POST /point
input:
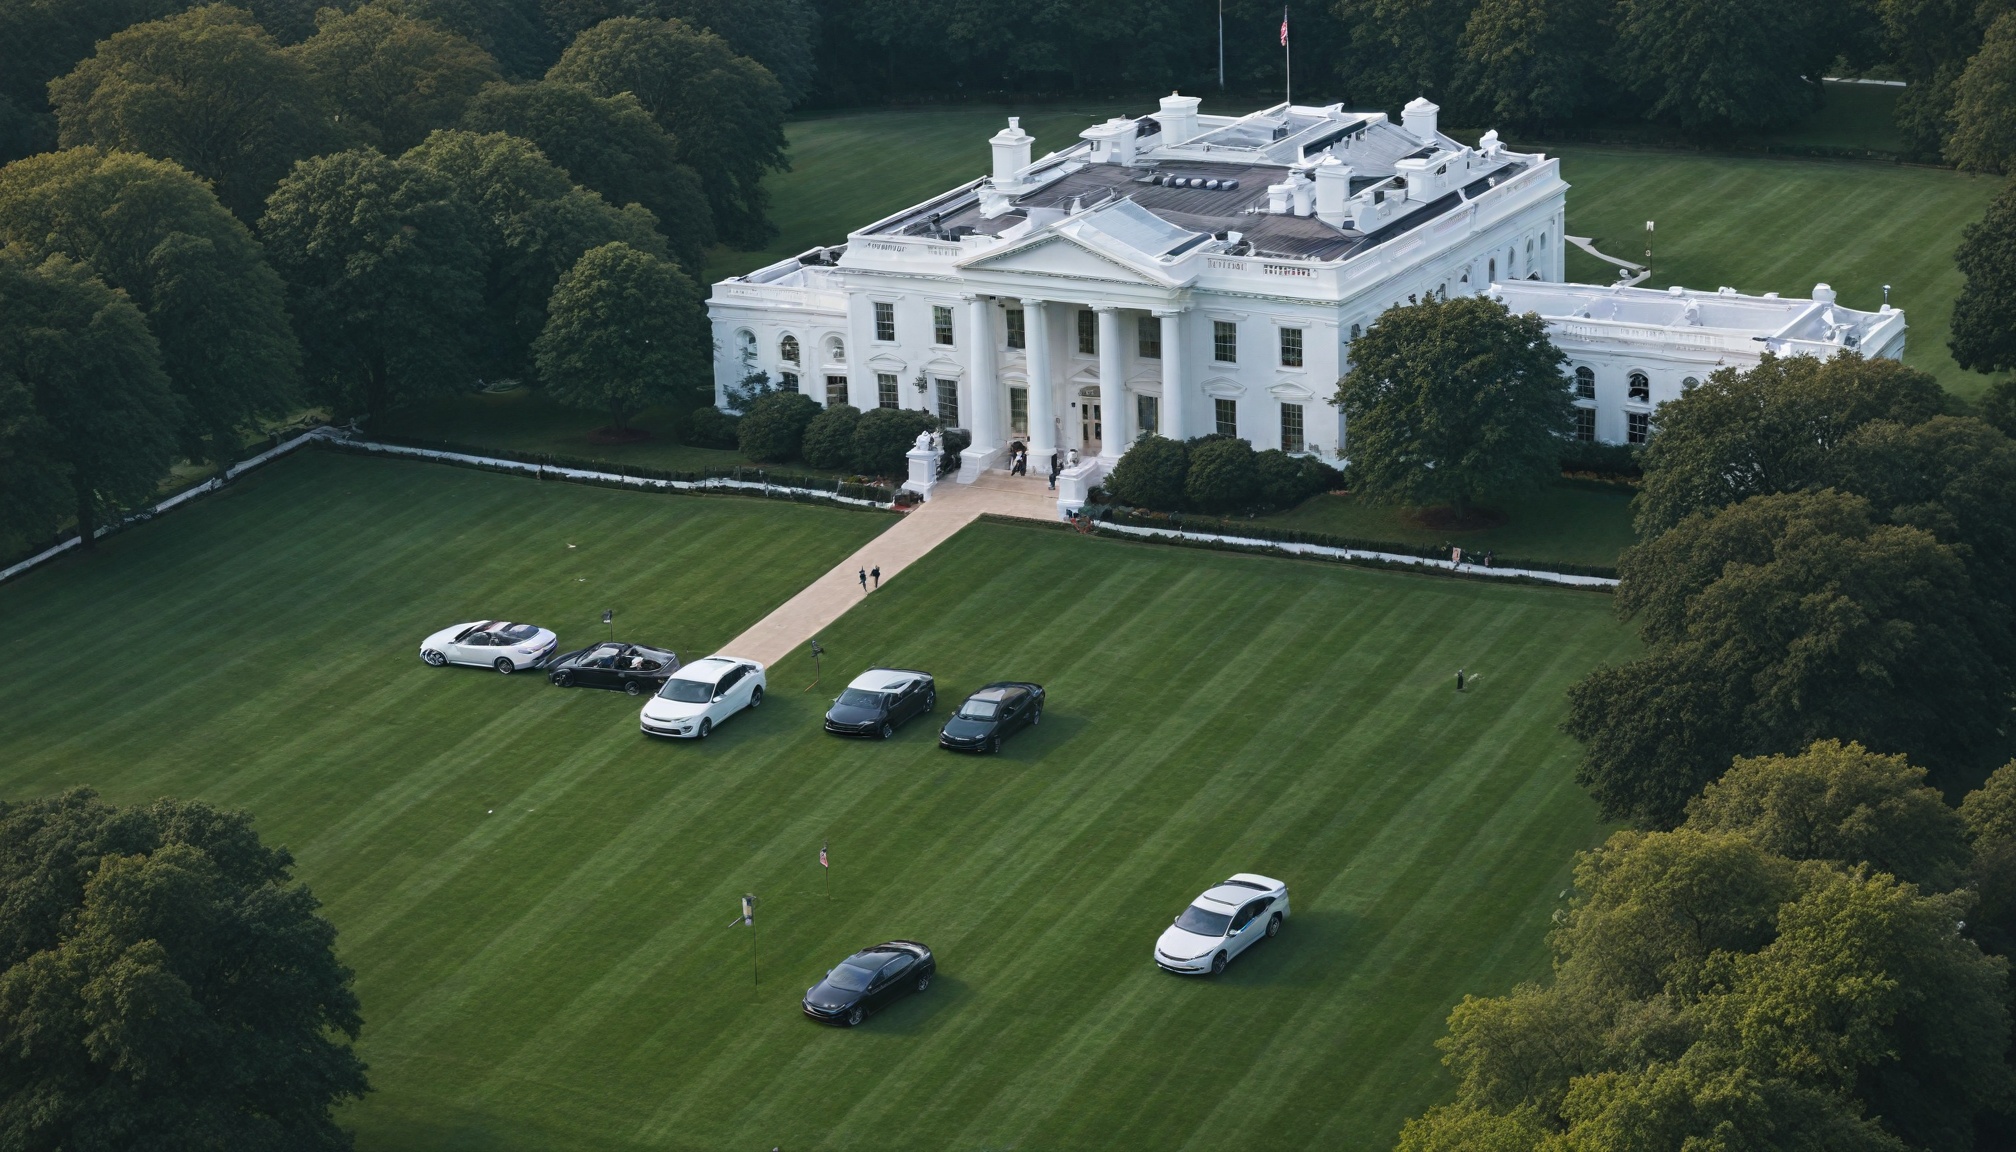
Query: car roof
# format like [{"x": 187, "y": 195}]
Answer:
[
  {"x": 1230, "y": 895},
  {"x": 704, "y": 670},
  {"x": 883, "y": 679},
  {"x": 1255, "y": 880}
]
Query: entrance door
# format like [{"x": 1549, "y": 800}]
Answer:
[{"x": 1089, "y": 428}]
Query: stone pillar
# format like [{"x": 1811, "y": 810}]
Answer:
[
  {"x": 1114, "y": 436},
  {"x": 988, "y": 402},
  {"x": 1175, "y": 401},
  {"x": 1042, "y": 418}
]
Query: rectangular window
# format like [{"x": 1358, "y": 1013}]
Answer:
[
  {"x": 1585, "y": 425},
  {"x": 1016, "y": 339},
  {"x": 1637, "y": 427},
  {"x": 1088, "y": 332},
  {"x": 948, "y": 403},
  {"x": 788, "y": 381},
  {"x": 1228, "y": 416},
  {"x": 941, "y": 325},
  {"x": 1018, "y": 411},
  {"x": 1225, "y": 342},
  {"x": 1148, "y": 415},
  {"x": 885, "y": 321},
  {"x": 1291, "y": 428},
  {"x": 1151, "y": 338},
  {"x": 885, "y": 390},
  {"x": 836, "y": 391},
  {"x": 1291, "y": 348}
]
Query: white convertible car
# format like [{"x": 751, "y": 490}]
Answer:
[
  {"x": 698, "y": 697},
  {"x": 1222, "y": 923},
  {"x": 497, "y": 644}
]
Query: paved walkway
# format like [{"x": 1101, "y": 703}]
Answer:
[
  {"x": 952, "y": 506},
  {"x": 1589, "y": 246}
]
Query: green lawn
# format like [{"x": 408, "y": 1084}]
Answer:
[
  {"x": 536, "y": 898},
  {"x": 1568, "y": 523}
]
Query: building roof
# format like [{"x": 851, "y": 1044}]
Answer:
[{"x": 1818, "y": 326}]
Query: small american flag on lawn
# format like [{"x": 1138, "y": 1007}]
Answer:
[{"x": 822, "y": 857}]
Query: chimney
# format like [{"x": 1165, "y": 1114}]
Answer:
[
  {"x": 1419, "y": 119},
  {"x": 1305, "y": 196},
  {"x": 1333, "y": 191},
  {"x": 1823, "y": 293},
  {"x": 1178, "y": 118},
  {"x": 1112, "y": 142},
  {"x": 1011, "y": 151},
  {"x": 1277, "y": 198}
]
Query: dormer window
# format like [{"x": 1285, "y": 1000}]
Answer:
[
  {"x": 787, "y": 349},
  {"x": 1640, "y": 387},
  {"x": 836, "y": 350}
]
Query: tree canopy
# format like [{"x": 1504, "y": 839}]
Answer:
[
  {"x": 624, "y": 332},
  {"x": 390, "y": 79},
  {"x": 1984, "y": 315},
  {"x": 1535, "y": 63}
]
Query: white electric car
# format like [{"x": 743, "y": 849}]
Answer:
[
  {"x": 1223, "y": 922},
  {"x": 497, "y": 644},
  {"x": 697, "y": 698}
]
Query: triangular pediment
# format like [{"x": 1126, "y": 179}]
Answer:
[{"x": 1068, "y": 259}]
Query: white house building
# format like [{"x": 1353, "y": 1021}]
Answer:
[{"x": 1183, "y": 274}]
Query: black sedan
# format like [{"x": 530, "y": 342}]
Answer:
[
  {"x": 991, "y": 715},
  {"x": 869, "y": 981},
  {"x": 879, "y": 700},
  {"x": 633, "y": 668}
]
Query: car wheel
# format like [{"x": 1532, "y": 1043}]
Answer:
[
  {"x": 856, "y": 1016},
  {"x": 563, "y": 679},
  {"x": 1036, "y": 717},
  {"x": 706, "y": 728},
  {"x": 505, "y": 666},
  {"x": 931, "y": 701},
  {"x": 433, "y": 658},
  {"x": 888, "y": 730},
  {"x": 1273, "y": 925},
  {"x": 1217, "y": 964},
  {"x": 994, "y": 746},
  {"x": 923, "y": 982},
  {"x": 634, "y": 688},
  {"x": 756, "y": 697}
]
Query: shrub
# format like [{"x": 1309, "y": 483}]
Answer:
[
  {"x": 710, "y": 428},
  {"x": 773, "y": 430},
  {"x": 956, "y": 441},
  {"x": 883, "y": 435},
  {"x": 1284, "y": 481},
  {"x": 829, "y": 438},
  {"x": 1151, "y": 474},
  {"x": 1602, "y": 459},
  {"x": 1224, "y": 475}
]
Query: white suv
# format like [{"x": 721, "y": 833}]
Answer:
[
  {"x": 1225, "y": 921},
  {"x": 701, "y": 695}
]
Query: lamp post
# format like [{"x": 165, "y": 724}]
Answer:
[
  {"x": 609, "y": 621},
  {"x": 817, "y": 670}
]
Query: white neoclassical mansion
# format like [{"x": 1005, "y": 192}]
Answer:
[{"x": 1183, "y": 274}]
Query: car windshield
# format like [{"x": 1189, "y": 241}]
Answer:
[
  {"x": 687, "y": 691},
  {"x": 980, "y": 709},
  {"x": 1203, "y": 921},
  {"x": 848, "y": 978},
  {"x": 517, "y": 633},
  {"x": 860, "y": 698}
]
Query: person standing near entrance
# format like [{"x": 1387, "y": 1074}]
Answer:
[
  {"x": 877, "y": 574},
  {"x": 1055, "y": 468}
]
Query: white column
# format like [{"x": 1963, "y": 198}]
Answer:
[
  {"x": 1042, "y": 420},
  {"x": 1113, "y": 439},
  {"x": 985, "y": 420},
  {"x": 1175, "y": 402}
]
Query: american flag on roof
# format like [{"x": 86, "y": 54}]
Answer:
[{"x": 1284, "y": 27}]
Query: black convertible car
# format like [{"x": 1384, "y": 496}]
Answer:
[
  {"x": 991, "y": 715},
  {"x": 879, "y": 700},
  {"x": 631, "y": 667},
  {"x": 869, "y": 980}
]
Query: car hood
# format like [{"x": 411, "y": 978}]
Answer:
[
  {"x": 566, "y": 659},
  {"x": 444, "y": 636},
  {"x": 662, "y": 709},
  {"x": 825, "y": 995},
  {"x": 849, "y": 714},
  {"x": 961, "y": 728},
  {"x": 1185, "y": 945}
]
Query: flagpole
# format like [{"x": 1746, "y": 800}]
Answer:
[
  {"x": 1221, "y": 45},
  {"x": 1287, "y": 60}
]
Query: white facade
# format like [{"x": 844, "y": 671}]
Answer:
[{"x": 1182, "y": 274}]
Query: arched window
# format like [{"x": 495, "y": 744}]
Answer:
[
  {"x": 836, "y": 350},
  {"x": 1357, "y": 331},
  {"x": 1492, "y": 276},
  {"x": 1689, "y": 382},
  {"x": 1640, "y": 387},
  {"x": 787, "y": 349},
  {"x": 1585, "y": 383},
  {"x": 745, "y": 345}
]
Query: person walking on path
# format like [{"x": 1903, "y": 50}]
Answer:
[
  {"x": 864, "y": 581},
  {"x": 1054, "y": 470},
  {"x": 877, "y": 574},
  {"x": 1459, "y": 679}
]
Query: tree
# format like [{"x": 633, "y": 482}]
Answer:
[
  {"x": 391, "y": 79},
  {"x": 1451, "y": 401},
  {"x": 883, "y": 438},
  {"x": 1984, "y": 104},
  {"x": 1998, "y": 406},
  {"x": 607, "y": 144},
  {"x": 208, "y": 89},
  {"x": 384, "y": 272},
  {"x": 165, "y": 983},
  {"x": 623, "y": 333},
  {"x": 513, "y": 32},
  {"x": 1285, "y": 481},
  {"x": 1984, "y": 315},
  {"x": 1151, "y": 474},
  {"x": 45, "y": 40},
  {"x": 726, "y": 111},
  {"x": 1771, "y": 428},
  {"x": 1535, "y": 63},
  {"x": 773, "y": 430},
  {"x": 1782, "y": 620},
  {"x": 1224, "y": 475},
  {"x": 533, "y": 224},
  {"x": 1929, "y": 42},
  {"x": 1711, "y": 66},
  {"x": 1989, "y": 812},
  {"x": 157, "y": 233},
  {"x": 35, "y": 495},
  {"x": 102, "y": 409},
  {"x": 829, "y": 438},
  {"x": 778, "y": 34},
  {"x": 1843, "y": 804}
]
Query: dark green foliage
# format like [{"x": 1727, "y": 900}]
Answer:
[
  {"x": 165, "y": 984},
  {"x": 384, "y": 267},
  {"x": 157, "y": 233},
  {"x": 1151, "y": 475},
  {"x": 208, "y": 89},
  {"x": 1929, "y": 42},
  {"x": 1984, "y": 104},
  {"x": 777, "y": 34},
  {"x": 102, "y": 411},
  {"x": 41, "y": 40},
  {"x": 1998, "y": 406},
  {"x": 35, "y": 493},
  {"x": 607, "y": 145},
  {"x": 22, "y": 132},
  {"x": 829, "y": 437},
  {"x": 772, "y": 431},
  {"x": 1984, "y": 316},
  {"x": 624, "y": 332},
  {"x": 511, "y": 31},
  {"x": 1535, "y": 63},
  {"x": 390, "y": 79},
  {"x": 709, "y": 427},
  {"x": 1224, "y": 475},
  {"x": 726, "y": 111},
  {"x": 884, "y": 436},
  {"x": 1989, "y": 813},
  {"x": 1452, "y": 401},
  {"x": 1713, "y": 65},
  {"x": 1286, "y": 481},
  {"x": 1618, "y": 460}
]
